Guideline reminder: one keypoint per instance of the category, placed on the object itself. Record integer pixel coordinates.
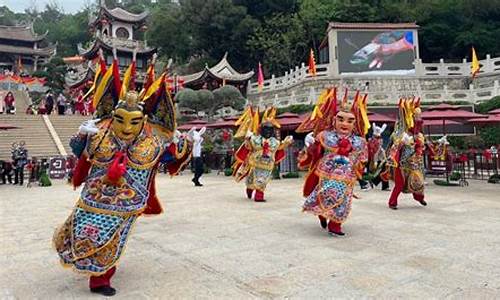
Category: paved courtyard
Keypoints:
(212, 243)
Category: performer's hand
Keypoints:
(89, 127)
(249, 134)
(288, 139)
(309, 140)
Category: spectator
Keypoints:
(61, 104)
(80, 104)
(33, 168)
(49, 102)
(10, 103)
(6, 172)
(41, 107)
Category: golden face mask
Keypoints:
(127, 125)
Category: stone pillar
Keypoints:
(488, 64)
(35, 64)
(496, 88)
(472, 95)
(442, 67)
(419, 67)
(333, 68)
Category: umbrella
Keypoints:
(443, 123)
(224, 123)
(447, 111)
(380, 118)
(494, 112)
(289, 121)
(5, 126)
(491, 119)
(193, 123)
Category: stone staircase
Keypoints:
(66, 126)
(32, 130)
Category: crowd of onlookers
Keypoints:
(50, 103)
(62, 105)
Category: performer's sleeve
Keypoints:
(77, 144)
(309, 158)
(153, 205)
(81, 170)
(359, 157)
(177, 155)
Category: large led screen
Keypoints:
(376, 52)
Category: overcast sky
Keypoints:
(69, 6)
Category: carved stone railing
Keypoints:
(310, 96)
(423, 71)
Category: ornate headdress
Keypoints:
(408, 109)
(250, 121)
(327, 107)
(155, 101)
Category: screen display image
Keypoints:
(383, 52)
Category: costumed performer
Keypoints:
(335, 155)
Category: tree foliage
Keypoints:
(211, 101)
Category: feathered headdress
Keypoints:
(327, 106)
(156, 101)
(250, 120)
(406, 116)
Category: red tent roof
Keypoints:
(450, 114)
(380, 118)
(440, 122)
(491, 119)
(222, 124)
(494, 112)
(193, 123)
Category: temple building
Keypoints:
(22, 51)
(112, 28)
(214, 77)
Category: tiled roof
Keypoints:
(48, 51)
(20, 33)
(222, 70)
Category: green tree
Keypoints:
(54, 71)
(279, 44)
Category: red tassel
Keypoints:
(345, 147)
(265, 149)
(118, 167)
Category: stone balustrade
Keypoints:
(433, 82)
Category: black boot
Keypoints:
(104, 290)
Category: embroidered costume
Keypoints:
(118, 157)
(406, 154)
(335, 158)
(260, 152)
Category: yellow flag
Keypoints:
(126, 80)
(154, 87)
(102, 86)
(475, 64)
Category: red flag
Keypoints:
(312, 64)
(260, 78)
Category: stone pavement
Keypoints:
(212, 243)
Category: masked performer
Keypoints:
(377, 158)
(260, 152)
(335, 154)
(406, 154)
(118, 157)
